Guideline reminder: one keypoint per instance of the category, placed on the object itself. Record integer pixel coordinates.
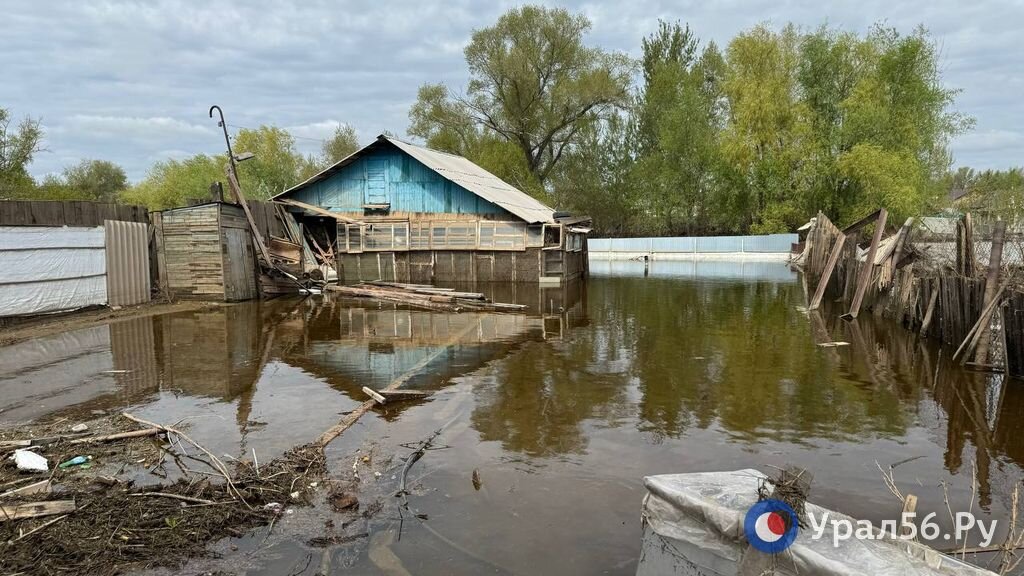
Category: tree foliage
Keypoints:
(98, 180)
(341, 144)
(534, 84)
(17, 147)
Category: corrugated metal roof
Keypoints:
(460, 171)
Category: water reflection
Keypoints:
(654, 360)
(226, 353)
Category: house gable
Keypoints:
(384, 174)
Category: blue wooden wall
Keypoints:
(388, 175)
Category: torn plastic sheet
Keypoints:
(693, 524)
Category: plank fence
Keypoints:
(943, 302)
(72, 213)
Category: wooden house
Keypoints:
(411, 214)
(206, 252)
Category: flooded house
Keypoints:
(400, 212)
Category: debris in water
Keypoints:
(343, 501)
(76, 461)
(832, 344)
(476, 480)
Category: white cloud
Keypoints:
(130, 81)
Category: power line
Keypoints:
(239, 127)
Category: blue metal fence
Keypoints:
(769, 243)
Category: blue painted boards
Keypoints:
(388, 175)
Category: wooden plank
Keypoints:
(41, 487)
(930, 312)
(317, 210)
(819, 293)
(995, 262)
(862, 222)
(402, 394)
(237, 191)
(909, 507)
(36, 509)
(865, 273)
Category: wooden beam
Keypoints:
(833, 258)
(373, 394)
(930, 312)
(862, 222)
(995, 262)
(869, 266)
(318, 210)
(901, 244)
(236, 191)
(971, 340)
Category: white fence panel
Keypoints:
(49, 269)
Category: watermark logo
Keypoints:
(771, 526)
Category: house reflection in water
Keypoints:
(222, 352)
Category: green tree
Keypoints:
(767, 137)
(98, 180)
(533, 83)
(678, 121)
(340, 145)
(171, 183)
(18, 145)
(594, 179)
(276, 165)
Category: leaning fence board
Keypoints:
(865, 273)
(819, 293)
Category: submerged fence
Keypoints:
(766, 244)
(936, 278)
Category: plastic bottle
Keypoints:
(76, 461)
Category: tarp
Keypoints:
(693, 524)
(50, 269)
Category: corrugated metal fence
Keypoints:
(766, 244)
(127, 247)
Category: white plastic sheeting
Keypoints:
(693, 525)
(49, 269)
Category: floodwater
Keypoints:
(561, 411)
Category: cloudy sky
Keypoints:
(132, 81)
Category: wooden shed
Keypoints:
(206, 252)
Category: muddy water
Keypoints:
(679, 367)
